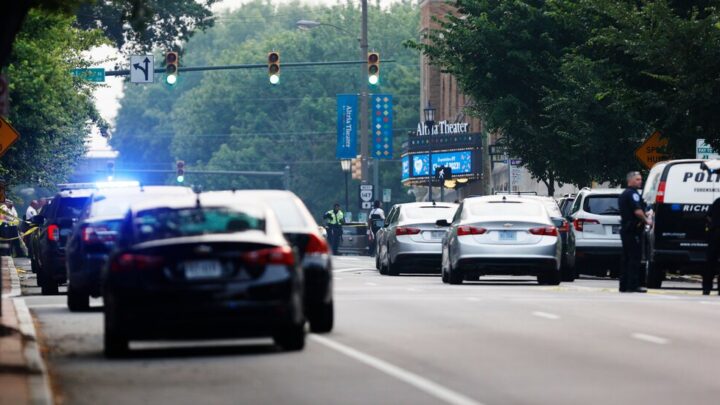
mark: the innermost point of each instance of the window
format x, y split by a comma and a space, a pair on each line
507, 208
576, 205
432, 213
602, 204
71, 207
164, 223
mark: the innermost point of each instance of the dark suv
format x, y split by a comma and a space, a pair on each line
55, 225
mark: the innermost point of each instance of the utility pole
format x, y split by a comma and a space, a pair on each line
364, 144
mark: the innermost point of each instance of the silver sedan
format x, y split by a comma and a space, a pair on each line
501, 235
410, 240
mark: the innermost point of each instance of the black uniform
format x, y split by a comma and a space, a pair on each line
631, 230
713, 247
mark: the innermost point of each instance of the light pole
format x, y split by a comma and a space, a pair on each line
429, 114
345, 165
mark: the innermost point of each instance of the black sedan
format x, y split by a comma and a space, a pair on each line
202, 267
94, 236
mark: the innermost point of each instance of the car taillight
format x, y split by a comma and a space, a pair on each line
581, 222
403, 230
263, 257
92, 234
316, 245
545, 231
130, 262
470, 230
53, 233
660, 196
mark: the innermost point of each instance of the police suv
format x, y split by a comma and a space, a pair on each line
679, 193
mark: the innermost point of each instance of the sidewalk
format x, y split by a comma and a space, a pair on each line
22, 370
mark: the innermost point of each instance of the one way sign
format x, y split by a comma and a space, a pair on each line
142, 68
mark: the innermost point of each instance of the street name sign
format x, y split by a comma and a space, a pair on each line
704, 151
142, 68
652, 150
90, 74
8, 136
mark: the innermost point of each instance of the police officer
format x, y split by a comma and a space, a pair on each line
334, 219
632, 225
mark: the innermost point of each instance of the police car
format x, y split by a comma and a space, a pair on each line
679, 193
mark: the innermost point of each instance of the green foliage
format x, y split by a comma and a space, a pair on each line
51, 109
236, 120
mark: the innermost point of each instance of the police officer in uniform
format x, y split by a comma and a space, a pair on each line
632, 225
334, 219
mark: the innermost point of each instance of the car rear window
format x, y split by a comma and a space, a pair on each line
354, 230
506, 208
116, 204
164, 223
602, 204
71, 207
430, 212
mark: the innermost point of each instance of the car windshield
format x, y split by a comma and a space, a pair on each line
432, 213
506, 208
71, 207
602, 205
163, 223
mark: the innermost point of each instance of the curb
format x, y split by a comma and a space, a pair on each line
38, 380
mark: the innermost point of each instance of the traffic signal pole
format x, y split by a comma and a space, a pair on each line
364, 141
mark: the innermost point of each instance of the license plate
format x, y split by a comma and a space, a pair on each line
508, 235
615, 229
437, 234
202, 269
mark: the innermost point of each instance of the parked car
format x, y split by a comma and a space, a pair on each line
301, 230
202, 267
565, 203
679, 194
355, 239
95, 233
55, 224
410, 240
594, 244
500, 235
563, 226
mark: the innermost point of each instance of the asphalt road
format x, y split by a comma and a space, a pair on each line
414, 340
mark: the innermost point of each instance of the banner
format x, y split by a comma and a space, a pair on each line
381, 123
347, 107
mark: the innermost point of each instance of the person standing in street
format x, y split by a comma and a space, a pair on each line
632, 225
32, 210
376, 217
711, 255
334, 218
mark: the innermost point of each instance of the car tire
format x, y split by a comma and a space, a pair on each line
33, 265
322, 318
392, 269
566, 271
455, 277
443, 275
116, 342
291, 338
49, 286
77, 301
655, 275
549, 277
377, 261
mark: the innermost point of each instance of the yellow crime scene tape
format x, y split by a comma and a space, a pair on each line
28, 232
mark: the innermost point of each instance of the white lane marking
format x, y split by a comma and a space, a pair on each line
33, 306
546, 315
423, 384
372, 284
650, 338
353, 269
472, 298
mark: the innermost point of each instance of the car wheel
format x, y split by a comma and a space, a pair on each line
377, 261
549, 277
48, 286
33, 265
455, 276
77, 300
655, 275
322, 318
291, 338
116, 342
392, 269
567, 272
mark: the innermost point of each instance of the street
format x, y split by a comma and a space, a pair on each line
414, 340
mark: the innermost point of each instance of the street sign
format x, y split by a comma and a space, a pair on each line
90, 74
704, 151
387, 195
142, 68
652, 150
366, 196
8, 136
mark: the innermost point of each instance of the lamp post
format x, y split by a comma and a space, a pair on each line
429, 114
345, 165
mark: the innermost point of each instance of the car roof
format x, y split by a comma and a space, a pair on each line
428, 204
603, 190
174, 190
190, 200
75, 193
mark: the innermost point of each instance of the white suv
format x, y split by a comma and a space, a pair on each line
594, 245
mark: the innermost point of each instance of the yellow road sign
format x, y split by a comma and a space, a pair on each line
652, 150
8, 136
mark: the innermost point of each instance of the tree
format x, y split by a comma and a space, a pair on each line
50, 108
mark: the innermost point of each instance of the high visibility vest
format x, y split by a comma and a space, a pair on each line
335, 219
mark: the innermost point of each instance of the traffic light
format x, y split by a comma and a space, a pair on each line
274, 67
110, 170
356, 168
373, 68
180, 164
172, 62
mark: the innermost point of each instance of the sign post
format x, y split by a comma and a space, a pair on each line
652, 150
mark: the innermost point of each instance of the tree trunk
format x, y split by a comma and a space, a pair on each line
12, 15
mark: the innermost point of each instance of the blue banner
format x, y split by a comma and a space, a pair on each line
347, 107
405, 167
382, 130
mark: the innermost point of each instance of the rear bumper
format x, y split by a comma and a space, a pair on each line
405, 249
692, 261
418, 262
516, 266
598, 252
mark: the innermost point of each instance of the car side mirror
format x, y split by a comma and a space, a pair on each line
442, 222
37, 220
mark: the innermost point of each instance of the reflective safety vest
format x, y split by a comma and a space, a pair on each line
335, 219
